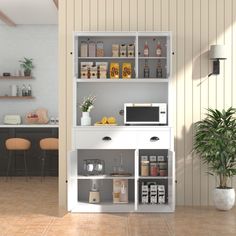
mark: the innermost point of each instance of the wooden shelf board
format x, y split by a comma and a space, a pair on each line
16, 77
16, 97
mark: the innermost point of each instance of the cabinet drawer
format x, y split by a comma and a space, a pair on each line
105, 140
154, 140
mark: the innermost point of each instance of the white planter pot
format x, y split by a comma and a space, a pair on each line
85, 119
224, 198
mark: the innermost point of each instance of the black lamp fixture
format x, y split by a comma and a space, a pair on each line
217, 53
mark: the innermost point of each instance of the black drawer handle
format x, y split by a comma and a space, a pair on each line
154, 139
106, 138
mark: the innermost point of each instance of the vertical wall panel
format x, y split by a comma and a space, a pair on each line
69, 60
93, 15
101, 15
62, 191
195, 25
125, 15
233, 63
78, 15
85, 15
173, 29
164, 15
220, 40
109, 15
133, 15
212, 79
204, 89
157, 14
180, 143
149, 15
228, 43
196, 95
141, 15
117, 15
189, 101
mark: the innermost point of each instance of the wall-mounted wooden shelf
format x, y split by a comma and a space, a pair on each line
16, 97
16, 77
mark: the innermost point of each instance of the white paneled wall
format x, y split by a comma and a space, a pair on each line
195, 24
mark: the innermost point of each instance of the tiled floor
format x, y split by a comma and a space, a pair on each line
30, 209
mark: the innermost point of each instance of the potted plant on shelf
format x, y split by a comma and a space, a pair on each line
86, 106
27, 65
215, 142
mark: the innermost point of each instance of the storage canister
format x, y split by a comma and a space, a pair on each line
154, 169
144, 168
84, 49
92, 49
100, 49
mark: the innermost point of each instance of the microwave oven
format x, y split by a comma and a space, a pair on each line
145, 113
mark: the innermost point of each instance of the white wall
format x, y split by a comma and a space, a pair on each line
39, 42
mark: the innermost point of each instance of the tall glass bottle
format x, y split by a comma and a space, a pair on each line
158, 49
146, 70
146, 50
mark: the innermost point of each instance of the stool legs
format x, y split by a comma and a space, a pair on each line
26, 169
9, 163
10, 156
43, 164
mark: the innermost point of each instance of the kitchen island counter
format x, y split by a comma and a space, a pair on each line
30, 126
34, 133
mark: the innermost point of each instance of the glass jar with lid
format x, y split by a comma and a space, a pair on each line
144, 168
154, 169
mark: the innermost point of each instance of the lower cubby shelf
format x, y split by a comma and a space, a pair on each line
105, 189
81, 183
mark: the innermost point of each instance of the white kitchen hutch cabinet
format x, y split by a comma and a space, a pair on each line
129, 141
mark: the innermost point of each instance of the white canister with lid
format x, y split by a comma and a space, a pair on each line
14, 90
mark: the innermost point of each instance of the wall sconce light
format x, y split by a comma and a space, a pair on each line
217, 53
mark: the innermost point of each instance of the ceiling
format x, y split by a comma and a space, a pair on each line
30, 11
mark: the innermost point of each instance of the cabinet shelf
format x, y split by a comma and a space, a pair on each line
106, 58
16, 77
104, 177
16, 97
152, 58
155, 177
140, 80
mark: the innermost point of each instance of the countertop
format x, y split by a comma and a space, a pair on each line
29, 126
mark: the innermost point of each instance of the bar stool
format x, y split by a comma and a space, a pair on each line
17, 144
47, 144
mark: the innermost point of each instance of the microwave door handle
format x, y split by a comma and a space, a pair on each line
154, 139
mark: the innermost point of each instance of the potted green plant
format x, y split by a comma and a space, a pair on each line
215, 142
27, 65
86, 106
